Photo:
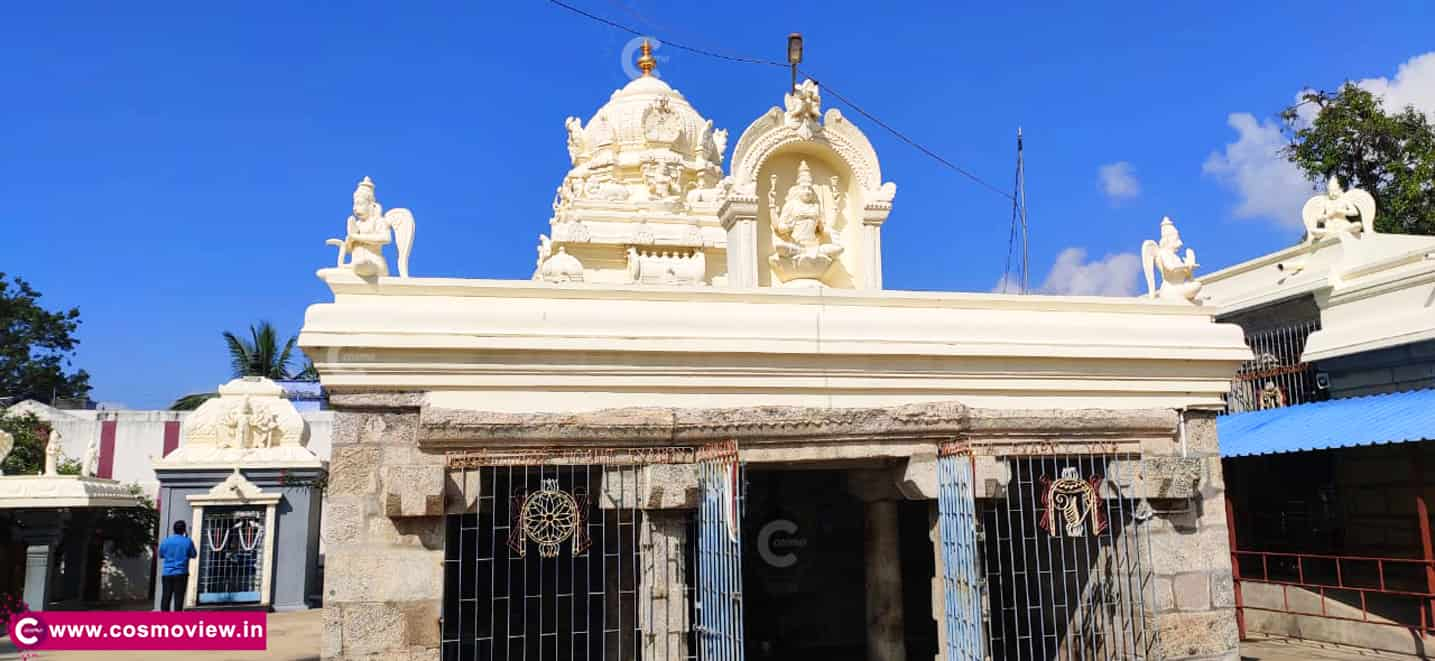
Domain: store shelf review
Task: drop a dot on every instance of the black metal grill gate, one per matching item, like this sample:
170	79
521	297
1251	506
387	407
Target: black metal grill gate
553	560
231	555
1067	557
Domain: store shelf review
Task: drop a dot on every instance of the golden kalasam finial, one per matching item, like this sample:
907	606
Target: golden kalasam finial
645	61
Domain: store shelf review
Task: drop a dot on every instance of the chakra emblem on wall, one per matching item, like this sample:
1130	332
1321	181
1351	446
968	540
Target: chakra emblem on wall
1072	505
549	518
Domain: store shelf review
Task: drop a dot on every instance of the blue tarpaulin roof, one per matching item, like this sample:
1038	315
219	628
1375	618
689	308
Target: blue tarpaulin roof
1338	423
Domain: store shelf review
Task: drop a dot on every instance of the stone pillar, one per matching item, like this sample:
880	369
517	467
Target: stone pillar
383	530
738	215
886	633
1193	594
662	590
871	255
666	494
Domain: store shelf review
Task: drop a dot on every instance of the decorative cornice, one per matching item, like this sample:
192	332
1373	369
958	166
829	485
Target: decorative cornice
62	491
995	431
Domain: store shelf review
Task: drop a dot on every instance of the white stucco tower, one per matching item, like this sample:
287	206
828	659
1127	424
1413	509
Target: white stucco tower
639	205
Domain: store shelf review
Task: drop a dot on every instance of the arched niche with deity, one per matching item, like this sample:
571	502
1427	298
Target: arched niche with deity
805	203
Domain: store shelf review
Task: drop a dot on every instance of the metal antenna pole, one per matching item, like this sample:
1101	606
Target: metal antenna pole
1021	203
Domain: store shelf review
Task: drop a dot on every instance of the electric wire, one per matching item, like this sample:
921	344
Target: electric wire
823	86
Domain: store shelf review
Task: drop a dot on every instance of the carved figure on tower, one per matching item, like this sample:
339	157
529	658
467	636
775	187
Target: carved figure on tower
803	105
369	230
1177	280
1346	214
52	454
802	249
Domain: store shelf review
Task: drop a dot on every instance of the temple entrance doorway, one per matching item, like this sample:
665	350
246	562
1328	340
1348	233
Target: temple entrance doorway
804	568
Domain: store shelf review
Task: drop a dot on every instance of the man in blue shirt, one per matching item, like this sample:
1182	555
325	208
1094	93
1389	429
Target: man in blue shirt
175	552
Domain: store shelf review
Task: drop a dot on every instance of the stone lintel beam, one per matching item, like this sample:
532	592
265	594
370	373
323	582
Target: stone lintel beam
988	431
641	426
1077	431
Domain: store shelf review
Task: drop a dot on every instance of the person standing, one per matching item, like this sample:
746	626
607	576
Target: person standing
175	552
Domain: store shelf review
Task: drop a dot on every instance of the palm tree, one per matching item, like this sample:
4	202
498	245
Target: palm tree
260	354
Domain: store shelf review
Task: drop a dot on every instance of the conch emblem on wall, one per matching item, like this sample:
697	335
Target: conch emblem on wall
1072	505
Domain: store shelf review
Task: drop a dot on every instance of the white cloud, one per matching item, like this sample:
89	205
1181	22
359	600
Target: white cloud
1273	189
1414	85
1118	181
1269	186
1072	275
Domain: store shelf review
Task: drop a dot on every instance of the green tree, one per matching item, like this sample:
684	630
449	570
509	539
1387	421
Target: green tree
260	354
36	346
1353	136
27	457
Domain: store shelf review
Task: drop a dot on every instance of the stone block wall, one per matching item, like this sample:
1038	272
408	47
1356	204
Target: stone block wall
1191	559
383	578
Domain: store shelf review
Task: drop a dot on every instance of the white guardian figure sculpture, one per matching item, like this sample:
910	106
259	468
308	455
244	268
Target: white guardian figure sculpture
369	230
1347	214
1177	281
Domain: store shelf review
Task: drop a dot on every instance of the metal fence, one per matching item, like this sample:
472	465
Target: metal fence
1276	376
961	569
1067	561
556	561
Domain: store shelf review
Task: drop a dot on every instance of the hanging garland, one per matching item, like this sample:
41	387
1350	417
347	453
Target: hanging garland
248	535
210	535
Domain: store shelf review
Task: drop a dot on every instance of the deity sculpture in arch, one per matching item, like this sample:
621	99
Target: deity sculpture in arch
803	249
1345	214
369	230
1177	280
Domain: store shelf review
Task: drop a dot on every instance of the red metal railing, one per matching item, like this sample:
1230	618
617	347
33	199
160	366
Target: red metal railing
1423	600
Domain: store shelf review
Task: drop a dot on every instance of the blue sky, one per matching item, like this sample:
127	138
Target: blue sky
174	169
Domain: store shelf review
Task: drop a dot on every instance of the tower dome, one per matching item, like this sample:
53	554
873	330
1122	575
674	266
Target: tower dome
639	203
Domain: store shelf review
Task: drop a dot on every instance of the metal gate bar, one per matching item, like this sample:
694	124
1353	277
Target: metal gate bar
1067	559
719	604
555	561
961	578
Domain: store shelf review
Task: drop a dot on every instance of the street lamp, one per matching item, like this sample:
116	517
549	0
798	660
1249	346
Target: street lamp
794	55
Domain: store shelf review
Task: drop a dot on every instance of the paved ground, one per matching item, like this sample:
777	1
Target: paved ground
1279	649
295	637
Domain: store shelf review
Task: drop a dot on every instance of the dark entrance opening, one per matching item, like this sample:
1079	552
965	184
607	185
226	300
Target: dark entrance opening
802	563
804	568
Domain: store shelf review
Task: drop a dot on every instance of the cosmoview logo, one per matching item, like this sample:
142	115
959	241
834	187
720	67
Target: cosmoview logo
27	630
630	56
778	551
